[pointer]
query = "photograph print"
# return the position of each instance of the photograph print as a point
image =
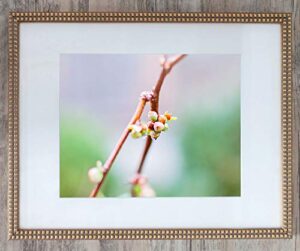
(149, 125)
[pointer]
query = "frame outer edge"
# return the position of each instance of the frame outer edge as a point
(14, 232)
(10, 127)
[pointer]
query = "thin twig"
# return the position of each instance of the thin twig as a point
(145, 152)
(153, 97)
(167, 66)
(116, 150)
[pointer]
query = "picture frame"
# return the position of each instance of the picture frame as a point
(15, 231)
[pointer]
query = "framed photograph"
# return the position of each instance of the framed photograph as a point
(150, 125)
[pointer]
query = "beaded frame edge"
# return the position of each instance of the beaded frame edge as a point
(16, 18)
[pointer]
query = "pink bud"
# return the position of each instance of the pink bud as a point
(158, 126)
(147, 191)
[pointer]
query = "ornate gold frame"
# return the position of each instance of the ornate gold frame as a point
(15, 232)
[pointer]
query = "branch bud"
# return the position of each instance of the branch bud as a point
(146, 95)
(168, 115)
(162, 119)
(166, 128)
(154, 135)
(152, 115)
(158, 126)
(95, 174)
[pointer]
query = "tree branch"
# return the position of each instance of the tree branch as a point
(153, 97)
(145, 152)
(167, 66)
(108, 164)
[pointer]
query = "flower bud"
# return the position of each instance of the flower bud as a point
(95, 175)
(166, 128)
(136, 190)
(158, 126)
(136, 135)
(146, 95)
(137, 128)
(147, 191)
(168, 115)
(152, 115)
(162, 119)
(154, 135)
(141, 187)
(136, 131)
(144, 129)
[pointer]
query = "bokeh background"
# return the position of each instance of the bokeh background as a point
(198, 156)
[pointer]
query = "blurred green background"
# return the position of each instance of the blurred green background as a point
(198, 156)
